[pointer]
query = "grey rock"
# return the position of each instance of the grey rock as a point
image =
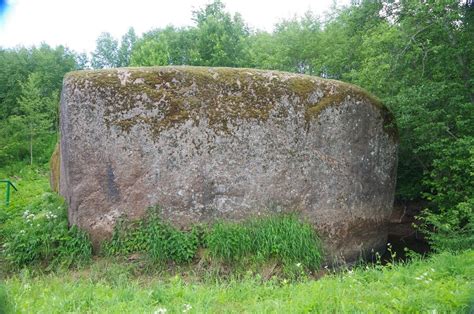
(221, 143)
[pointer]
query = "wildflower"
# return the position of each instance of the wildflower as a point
(298, 265)
(187, 308)
(160, 310)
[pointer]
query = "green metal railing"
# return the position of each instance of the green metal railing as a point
(7, 192)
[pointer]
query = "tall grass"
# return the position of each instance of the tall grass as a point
(280, 237)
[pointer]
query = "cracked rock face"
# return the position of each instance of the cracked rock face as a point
(220, 143)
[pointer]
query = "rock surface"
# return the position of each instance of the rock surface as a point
(221, 143)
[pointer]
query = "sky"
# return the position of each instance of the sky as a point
(77, 23)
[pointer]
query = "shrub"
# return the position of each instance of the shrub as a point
(281, 237)
(449, 223)
(450, 230)
(41, 235)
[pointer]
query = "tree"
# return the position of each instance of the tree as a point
(106, 53)
(35, 111)
(30, 73)
(221, 38)
(126, 47)
(168, 46)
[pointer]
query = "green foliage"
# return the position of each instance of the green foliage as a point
(441, 284)
(126, 47)
(229, 241)
(40, 235)
(449, 224)
(450, 229)
(106, 53)
(220, 37)
(30, 80)
(283, 238)
(150, 235)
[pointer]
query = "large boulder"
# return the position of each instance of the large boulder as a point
(222, 143)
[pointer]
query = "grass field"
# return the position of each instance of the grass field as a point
(441, 284)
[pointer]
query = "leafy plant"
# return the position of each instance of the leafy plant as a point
(41, 235)
(150, 235)
(449, 223)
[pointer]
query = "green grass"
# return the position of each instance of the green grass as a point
(443, 283)
(279, 237)
(34, 228)
(31, 182)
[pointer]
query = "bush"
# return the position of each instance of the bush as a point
(450, 230)
(449, 223)
(41, 235)
(282, 237)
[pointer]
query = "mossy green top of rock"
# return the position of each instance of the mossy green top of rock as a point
(226, 95)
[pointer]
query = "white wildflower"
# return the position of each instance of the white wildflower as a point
(298, 265)
(187, 308)
(160, 310)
